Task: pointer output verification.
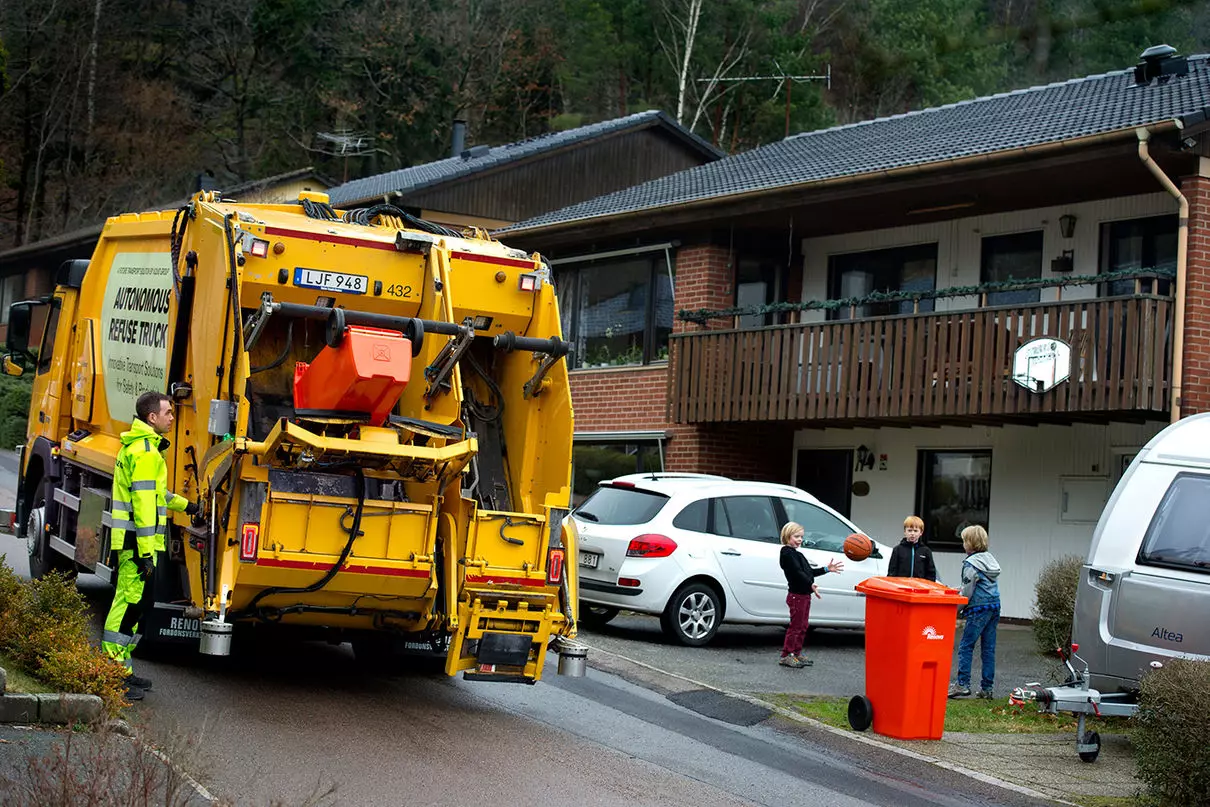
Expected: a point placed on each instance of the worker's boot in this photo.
(138, 681)
(132, 692)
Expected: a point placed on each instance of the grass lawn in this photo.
(962, 714)
(19, 681)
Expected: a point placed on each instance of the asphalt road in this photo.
(285, 723)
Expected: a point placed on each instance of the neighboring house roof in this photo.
(1068, 110)
(92, 232)
(480, 158)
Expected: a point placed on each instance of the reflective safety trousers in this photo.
(121, 632)
(141, 499)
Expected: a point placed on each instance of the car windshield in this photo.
(610, 505)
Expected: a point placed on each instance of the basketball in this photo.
(858, 546)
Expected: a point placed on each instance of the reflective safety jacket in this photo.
(141, 499)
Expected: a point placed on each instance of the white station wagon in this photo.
(701, 550)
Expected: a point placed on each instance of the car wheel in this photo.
(597, 615)
(693, 615)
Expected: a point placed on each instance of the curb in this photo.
(47, 707)
(849, 735)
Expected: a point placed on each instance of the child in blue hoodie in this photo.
(980, 571)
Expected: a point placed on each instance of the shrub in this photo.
(44, 628)
(1055, 603)
(1172, 733)
(14, 408)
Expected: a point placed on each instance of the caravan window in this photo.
(1179, 535)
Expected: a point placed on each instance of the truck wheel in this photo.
(596, 616)
(36, 542)
(693, 615)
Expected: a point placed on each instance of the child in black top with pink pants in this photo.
(800, 578)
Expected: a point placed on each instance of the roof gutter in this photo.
(1182, 256)
(890, 173)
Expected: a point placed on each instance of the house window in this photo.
(758, 282)
(12, 289)
(594, 462)
(616, 312)
(857, 274)
(1012, 257)
(1137, 245)
(953, 491)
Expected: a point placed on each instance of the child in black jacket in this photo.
(910, 558)
(800, 579)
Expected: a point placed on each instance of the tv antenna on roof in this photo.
(346, 143)
(781, 76)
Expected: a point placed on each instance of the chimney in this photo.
(459, 137)
(1160, 62)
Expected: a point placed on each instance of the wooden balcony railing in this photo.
(926, 367)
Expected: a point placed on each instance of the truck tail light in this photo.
(249, 540)
(650, 545)
(554, 566)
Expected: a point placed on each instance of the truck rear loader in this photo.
(372, 412)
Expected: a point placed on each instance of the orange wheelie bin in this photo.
(909, 641)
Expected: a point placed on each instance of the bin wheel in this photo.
(1090, 738)
(861, 712)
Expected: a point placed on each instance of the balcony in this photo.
(934, 368)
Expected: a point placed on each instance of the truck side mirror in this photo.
(20, 319)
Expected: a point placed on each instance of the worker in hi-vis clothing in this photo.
(141, 501)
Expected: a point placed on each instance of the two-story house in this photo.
(976, 313)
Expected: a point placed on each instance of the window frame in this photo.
(773, 511)
(1153, 226)
(923, 466)
(570, 272)
(1024, 296)
(905, 253)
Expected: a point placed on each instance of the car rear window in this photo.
(1179, 535)
(609, 505)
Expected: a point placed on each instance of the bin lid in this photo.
(910, 589)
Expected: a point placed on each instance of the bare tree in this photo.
(677, 43)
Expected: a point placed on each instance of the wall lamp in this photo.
(1067, 225)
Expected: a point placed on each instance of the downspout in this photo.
(1182, 252)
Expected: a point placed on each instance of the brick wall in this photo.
(756, 451)
(1195, 392)
(620, 400)
(704, 277)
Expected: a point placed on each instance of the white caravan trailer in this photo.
(1144, 593)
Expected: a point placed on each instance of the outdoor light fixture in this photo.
(1067, 225)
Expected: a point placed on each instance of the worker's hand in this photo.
(836, 566)
(146, 564)
(815, 591)
(192, 509)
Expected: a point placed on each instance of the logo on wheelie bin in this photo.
(931, 634)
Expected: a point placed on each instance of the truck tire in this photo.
(37, 543)
(693, 615)
(596, 616)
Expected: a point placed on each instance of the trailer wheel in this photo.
(861, 712)
(1091, 738)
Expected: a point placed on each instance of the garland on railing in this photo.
(701, 315)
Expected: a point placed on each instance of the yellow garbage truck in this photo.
(372, 413)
